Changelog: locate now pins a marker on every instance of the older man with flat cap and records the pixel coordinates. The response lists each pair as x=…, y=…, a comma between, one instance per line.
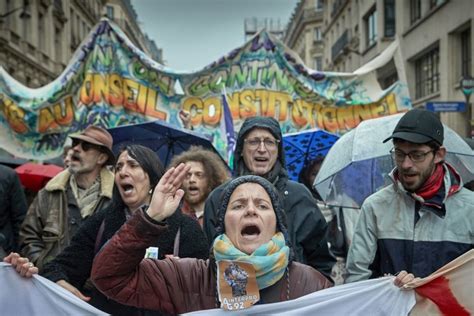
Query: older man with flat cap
x=70, y=197
x=421, y=221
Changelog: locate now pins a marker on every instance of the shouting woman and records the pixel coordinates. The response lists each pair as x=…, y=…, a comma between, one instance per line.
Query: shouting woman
x=253, y=238
x=137, y=172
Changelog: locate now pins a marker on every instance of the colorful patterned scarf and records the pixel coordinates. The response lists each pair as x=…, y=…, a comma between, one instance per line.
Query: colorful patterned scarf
x=269, y=260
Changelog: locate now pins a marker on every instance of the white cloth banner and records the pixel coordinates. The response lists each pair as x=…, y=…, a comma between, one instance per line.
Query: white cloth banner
x=372, y=297
x=37, y=296
x=447, y=291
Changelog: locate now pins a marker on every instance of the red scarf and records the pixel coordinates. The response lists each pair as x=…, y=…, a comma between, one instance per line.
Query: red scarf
x=433, y=184
x=432, y=192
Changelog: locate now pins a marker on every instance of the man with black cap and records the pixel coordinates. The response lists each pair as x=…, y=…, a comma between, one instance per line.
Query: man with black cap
x=424, y=219
x=70, y=197
x=259, y=151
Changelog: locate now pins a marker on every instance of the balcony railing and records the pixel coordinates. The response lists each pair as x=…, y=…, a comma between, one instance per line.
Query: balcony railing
x=337, y=6
x=339, y=45
x=312, y=14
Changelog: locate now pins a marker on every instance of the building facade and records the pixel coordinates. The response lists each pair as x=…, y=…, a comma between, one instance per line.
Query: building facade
x=435, y=39
x=38, y=38
x=254, y=25
x=304, y=33
x=124, y=15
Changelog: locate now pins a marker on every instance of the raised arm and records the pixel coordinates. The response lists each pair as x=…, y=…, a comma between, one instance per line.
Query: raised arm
x=167, y=193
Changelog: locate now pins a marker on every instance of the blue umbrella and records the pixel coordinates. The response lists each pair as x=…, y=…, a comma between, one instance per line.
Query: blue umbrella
x=303, y=147
x=164, y=139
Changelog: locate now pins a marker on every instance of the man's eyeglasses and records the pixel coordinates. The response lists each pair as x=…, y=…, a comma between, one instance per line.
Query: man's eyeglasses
x=415, y=156
x=254, y=143
x=85, y=145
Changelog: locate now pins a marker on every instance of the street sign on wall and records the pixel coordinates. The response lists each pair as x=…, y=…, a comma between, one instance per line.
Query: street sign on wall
x=446, y=106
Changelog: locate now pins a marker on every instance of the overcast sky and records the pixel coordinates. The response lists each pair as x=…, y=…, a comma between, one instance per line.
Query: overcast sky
x=194, y=33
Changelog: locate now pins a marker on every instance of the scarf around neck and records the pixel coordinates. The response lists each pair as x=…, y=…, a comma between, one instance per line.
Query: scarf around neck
x=269, y=260
x=444, y=182
x=86, y=199
x=432, y=184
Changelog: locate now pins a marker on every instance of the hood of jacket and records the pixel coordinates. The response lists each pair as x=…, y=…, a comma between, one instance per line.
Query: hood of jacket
x=61, y=180
x=268, y=123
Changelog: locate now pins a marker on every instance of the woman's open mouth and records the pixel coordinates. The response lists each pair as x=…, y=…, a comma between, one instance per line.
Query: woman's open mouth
x=250, y=232
x=127, y=188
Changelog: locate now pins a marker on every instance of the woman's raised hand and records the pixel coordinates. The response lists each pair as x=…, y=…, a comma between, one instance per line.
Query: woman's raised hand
x=21, y=264
x=167, y=193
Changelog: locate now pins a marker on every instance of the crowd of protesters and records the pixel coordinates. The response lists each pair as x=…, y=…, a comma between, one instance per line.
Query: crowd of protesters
x=93, y=224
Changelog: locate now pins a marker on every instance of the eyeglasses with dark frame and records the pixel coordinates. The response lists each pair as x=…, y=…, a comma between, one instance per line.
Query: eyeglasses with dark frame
x=86, y=146
x=254, y=143
x=415, y=156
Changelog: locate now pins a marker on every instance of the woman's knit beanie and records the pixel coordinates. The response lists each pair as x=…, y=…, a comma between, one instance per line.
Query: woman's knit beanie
x=272, y=193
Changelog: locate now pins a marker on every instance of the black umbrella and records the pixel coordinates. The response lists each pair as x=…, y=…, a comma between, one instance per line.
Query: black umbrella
x=164, y=139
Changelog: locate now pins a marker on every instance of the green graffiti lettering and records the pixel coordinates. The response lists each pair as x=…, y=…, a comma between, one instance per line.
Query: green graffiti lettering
x=254, y=74
x=237, y=74
x=302, y=90
x=102, y=57
x=200, y=86
x=217, y=81
x=160, y=81
x=275, y=78
x=138, y=70
x=264, y=75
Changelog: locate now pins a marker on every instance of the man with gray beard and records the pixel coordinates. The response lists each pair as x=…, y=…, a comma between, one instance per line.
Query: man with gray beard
x=70, y=197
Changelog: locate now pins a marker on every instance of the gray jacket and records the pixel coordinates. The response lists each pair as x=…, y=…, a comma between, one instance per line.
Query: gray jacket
x=387, y=239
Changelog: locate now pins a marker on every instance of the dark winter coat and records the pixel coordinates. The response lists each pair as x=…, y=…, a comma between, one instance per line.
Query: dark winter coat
x=12, y=208
x=307, y=227
x=74, y=263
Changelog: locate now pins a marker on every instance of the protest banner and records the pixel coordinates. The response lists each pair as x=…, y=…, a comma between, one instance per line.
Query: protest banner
x=109, y=82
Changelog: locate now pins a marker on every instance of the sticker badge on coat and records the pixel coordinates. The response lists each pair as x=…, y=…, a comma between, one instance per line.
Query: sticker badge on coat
x=237, y=285
x=151, y=253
